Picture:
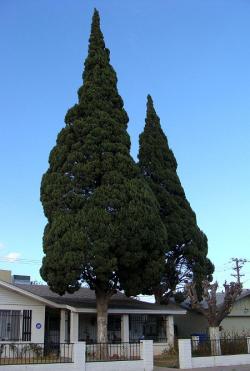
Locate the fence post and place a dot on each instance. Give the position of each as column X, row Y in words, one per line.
column 248, row 345
column 185, row 353
column 79, row 356
column 147, row 354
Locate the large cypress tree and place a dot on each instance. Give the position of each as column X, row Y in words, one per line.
column 104, row 226
column 187, row 245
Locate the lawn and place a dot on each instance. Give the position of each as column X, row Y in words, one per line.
column 167, row 360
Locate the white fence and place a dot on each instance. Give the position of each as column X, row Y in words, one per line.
column 187, row 361
column 79, row 363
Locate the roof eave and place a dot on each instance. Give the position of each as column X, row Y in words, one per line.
column 121, row 310
column 30, row 295
column 133, row 311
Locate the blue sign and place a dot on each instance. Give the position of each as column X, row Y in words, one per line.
column 38, row 326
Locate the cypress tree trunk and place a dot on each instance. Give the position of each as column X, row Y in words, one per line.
column 158, row 296
column 102, row 300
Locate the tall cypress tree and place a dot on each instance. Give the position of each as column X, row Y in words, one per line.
column 104, row 226
column 187, row 244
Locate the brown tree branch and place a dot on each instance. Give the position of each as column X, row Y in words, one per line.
column 208, row 307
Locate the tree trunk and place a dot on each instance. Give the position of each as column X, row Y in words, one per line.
column 158, row 295
column 102, row 300
column 214, row 334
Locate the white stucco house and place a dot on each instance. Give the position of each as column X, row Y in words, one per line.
column 33, row 313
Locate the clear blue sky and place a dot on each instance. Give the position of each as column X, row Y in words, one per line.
column 191, row 56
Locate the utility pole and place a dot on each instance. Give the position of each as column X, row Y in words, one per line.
column 238, row 265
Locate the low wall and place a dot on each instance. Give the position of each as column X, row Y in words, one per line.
column 76, row 365
column 144, row 364
column 234, row 360
column 115, row 366
column 127, row 349
column 43, row 367
column 79, row 364
column 187, row 361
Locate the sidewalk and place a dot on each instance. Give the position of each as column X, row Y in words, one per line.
column 219, row 368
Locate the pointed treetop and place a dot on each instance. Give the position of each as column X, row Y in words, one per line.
column 96, row 39
column 149, row 98
column 152, row 119
column 150, row 102
column 99, row 89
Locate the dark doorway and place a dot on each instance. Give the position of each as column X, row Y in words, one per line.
column 52, row 328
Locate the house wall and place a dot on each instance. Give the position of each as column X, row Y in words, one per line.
column 10, row 300
column 241, row 308
column 236, row 323
column 236, row 326
column 189, row 324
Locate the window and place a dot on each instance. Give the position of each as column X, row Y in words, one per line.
column 114, row 328
column 15, row 325
column 10, row 325
column 149, row 327
column 88, row 328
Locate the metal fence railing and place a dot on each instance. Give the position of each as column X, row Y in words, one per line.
column 223, row 346
column 35, row 353
column 113, row 352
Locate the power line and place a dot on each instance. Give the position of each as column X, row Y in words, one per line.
column 8, row 259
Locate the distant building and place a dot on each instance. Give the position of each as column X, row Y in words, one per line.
column 236, row 323
column 21, row 280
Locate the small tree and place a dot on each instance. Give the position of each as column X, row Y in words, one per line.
column 104, row 226
column 213, row 312
column 186, row 251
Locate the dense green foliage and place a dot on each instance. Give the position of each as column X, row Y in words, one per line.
column 104, row 226
column 187, row 244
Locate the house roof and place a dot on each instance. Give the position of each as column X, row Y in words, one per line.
column 84, row 300
column 219, row 298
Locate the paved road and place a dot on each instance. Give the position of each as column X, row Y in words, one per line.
column 220, row 368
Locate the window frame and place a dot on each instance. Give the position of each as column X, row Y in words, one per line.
column 16, row 325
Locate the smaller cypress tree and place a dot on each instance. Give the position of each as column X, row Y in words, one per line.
column 187, row 244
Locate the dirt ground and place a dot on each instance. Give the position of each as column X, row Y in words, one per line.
column 220, row 368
